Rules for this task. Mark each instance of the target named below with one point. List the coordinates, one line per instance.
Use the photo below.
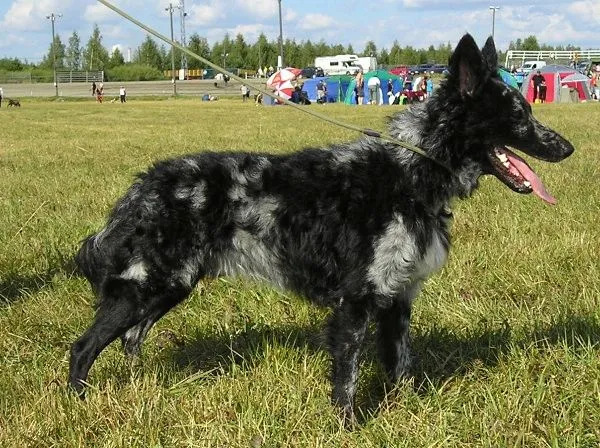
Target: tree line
(237, 53)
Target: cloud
(586, 11)
(259, 8)
(30, 15)
(205, 14)
(316, 21)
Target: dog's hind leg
(347, 329)
(119, 309)
(122, 308)
(393, 338)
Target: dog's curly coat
(357, 227)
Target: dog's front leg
(393, 338)
(346, 334)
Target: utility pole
(170, 9)
(494, 9)
(52, 18)
(182, 16)
(280, 39)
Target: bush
(133, 72)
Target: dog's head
(488, 117)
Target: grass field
(506, 336)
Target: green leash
(369, 132)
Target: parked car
(400, 70)
(312, 72)
(423, 68)
(439, 68)
(528, 66)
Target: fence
(69, 76)
(16, 78)
(547, 55)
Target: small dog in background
(13, 103)
(357, 227)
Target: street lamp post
(494, 9)
(224, 56)
(53, 18)
(280, 39)
(170, 9)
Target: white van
(343, 64)
(529, 66)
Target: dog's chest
(399, 261)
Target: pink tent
(553, 74)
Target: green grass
(506, 336)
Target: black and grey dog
(356, 227)
(14, 103)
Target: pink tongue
(528, 174)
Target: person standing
(244, 90)
(123, 94)
(429, 87)
(99, 93)
(360, 87)
(537, 80)
(596, 82)
(1, 95)
(93, 88)
(390, 91)
(374, 85)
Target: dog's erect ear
(467, 67)
(489, 54)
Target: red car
(400, 70)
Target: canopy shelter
(580, 83)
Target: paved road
(137, 88)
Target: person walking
(244, 90)
(1, 95)
(93, 88)
(123, 94)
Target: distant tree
(73, 55)
(293, 54)
(11, 65)
(238, 52)
(395, 53)
(148, 53)
(116, 58)
(263, 53)
(95, 56)
(323, 49)
(349, 49)
(530, 43)
(338, 49)
(59, 48)
(198, 45)
(370, 49)
(308, 53)
(384, 57)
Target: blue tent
(336, 87)
(383, 77)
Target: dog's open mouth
(517, 174)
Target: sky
(26, 33)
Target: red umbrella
(284, 89)
(283, 75)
